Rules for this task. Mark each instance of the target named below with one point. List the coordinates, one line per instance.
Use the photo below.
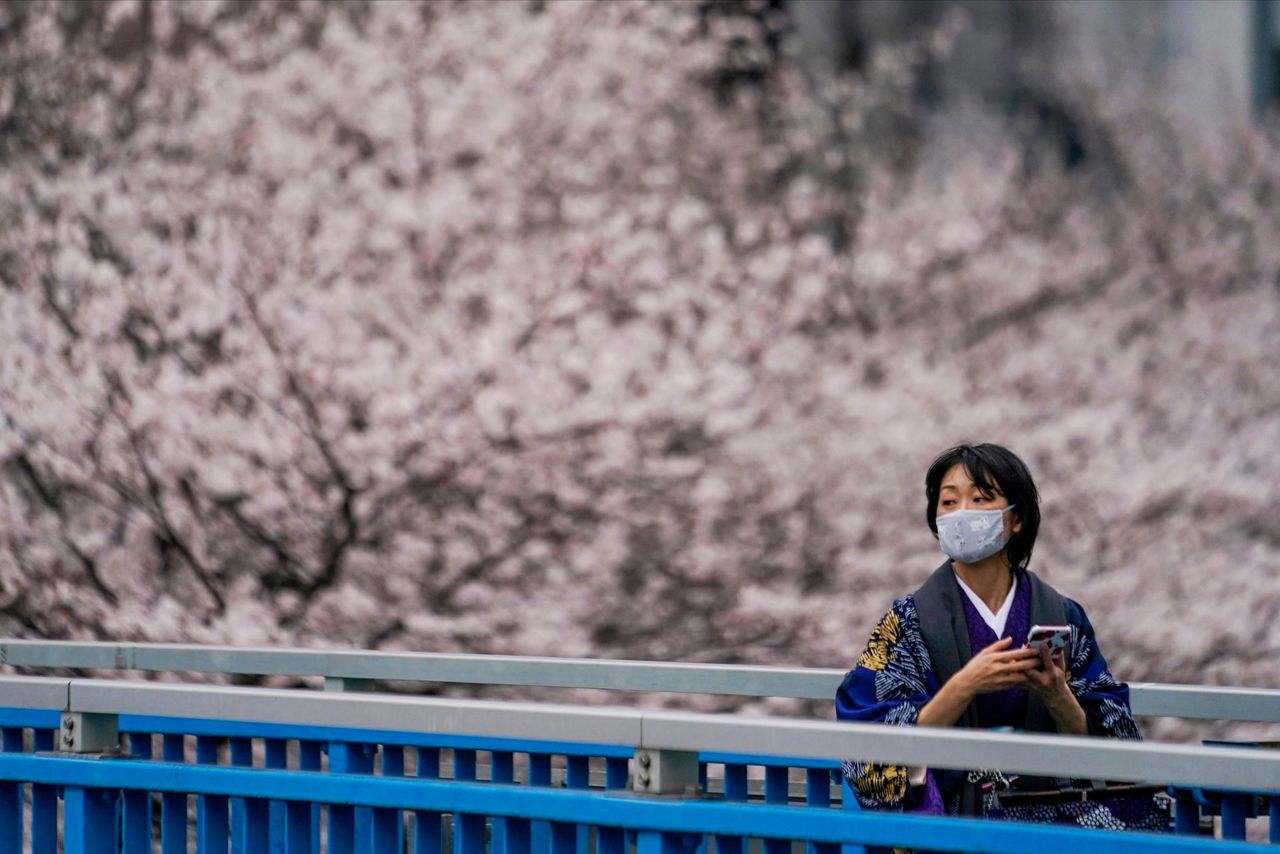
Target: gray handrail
(655, 730)
(1152, 699)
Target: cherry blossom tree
(602, 329)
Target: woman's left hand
(1049, 683)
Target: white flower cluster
(484, 327)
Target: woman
(954, 653)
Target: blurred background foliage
(624, 330)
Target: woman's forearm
(1068, 715)
(946, 707)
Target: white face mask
(971, 535)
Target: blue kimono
(925, 639)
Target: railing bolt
(86, 732)
(665, 772)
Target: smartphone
(1055, 637)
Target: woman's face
(959, 492)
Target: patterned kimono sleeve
(890, 684)
(1104, 700)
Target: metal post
(84, 732)
(388, 824)
(249, 817)
(539, 774)
(468, 828)
(89, 821)
(1274, 812)
(11, 797)
(136, 818)
(578, 776)
(298, 838)
(173, 805)
(309, 760)
(348, 824)
(212, 828)
(1235, 808)
(44, 802)
(276, 756)
(666, 772)
(428, 827)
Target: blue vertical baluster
(1274, 812)
(137, 805)
(11, 797)
(564, 838)
(775, 792)
(240, 750)
(89, 821)
(540, 775)
(309, 760)
(250, 818)
(502, 770)
(849, 802)
(299, 828)
(656, 842)
(578, 776)
(173, 805)
(817, 793)
(1235, 807)
(44, 802)
(698, 843)
(735, 790)
(275, 755)
(468, 829)
(427, 830)
(817, 787)
(301, 819)
(613, 840)
(349, 825)
(616, 773)
(388, 825)
(516, 836)
(211, 810)
(1186, 816)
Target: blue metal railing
(293, 771)
(362, 754)
(108, 805)
(658, 826)
(246, 820)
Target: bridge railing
(351, 668)
(739, 759)
(288, 769)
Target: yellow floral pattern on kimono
(883, 782)
(883, 639)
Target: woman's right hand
(995, 668)
(992, 669)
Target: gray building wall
(1215, 60)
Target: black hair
(994, 469)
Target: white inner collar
(997, 620)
